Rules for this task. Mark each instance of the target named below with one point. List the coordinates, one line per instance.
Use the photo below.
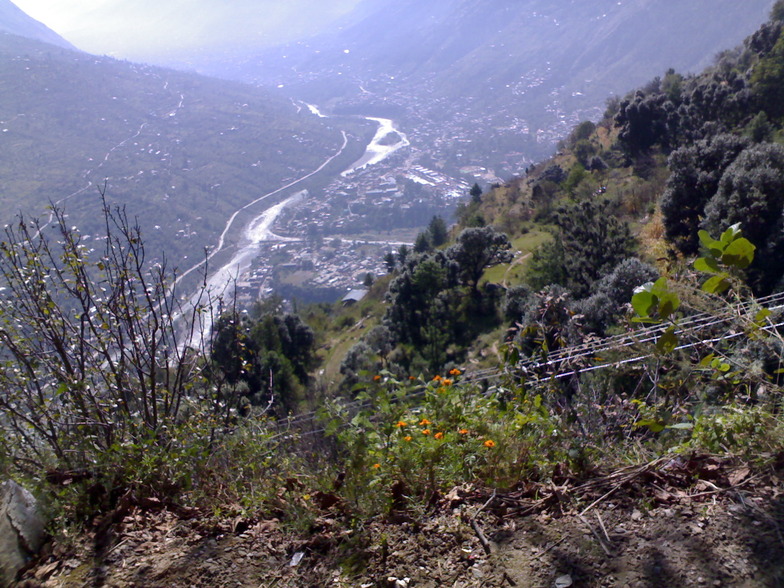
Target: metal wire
(688, 327)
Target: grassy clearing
(512, 273)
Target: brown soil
(675, 522)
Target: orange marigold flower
(441, 390)
(437, 379)
(455, 372)
(426, 431)
(407, 438)
(463, 431)
(412, 378)
(489, 443)
(425, 422)
(376, 466)
(446, 382)
(439, 435)
(376, 378)
(401, 424)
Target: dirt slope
(676, 522)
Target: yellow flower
(489, 443)
(376, 466)
(401, 424)
(439, 435)
(425, 422)
(426, 431)
(407, 438)
(441, 390)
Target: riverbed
(221, 282)
(260, 229)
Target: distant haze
(154, 29)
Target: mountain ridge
(72, 121)
(529, 65)
(15, 21)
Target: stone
(22, 532)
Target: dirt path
(515, 263)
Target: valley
(386, 310)
(481, 105)
(328, 239)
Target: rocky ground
(685, 521)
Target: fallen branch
(553, 546)
(482, 539)
(595, 534)
(604, 529)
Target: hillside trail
(695, 521)
(518, 261)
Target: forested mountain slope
(604, 411)
(526, 68)
(182, 151)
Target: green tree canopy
(438, 231)
(475, 250)
(751, 192)
(695, 172)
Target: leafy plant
(98, 373)
(412, 441)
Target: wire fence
(556, 365)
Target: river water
(379, 147)
(221, 282)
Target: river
(220, 282)
(378, 149)
(258, 231)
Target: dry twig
(595, 534)
(482, 539)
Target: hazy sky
(139, 29)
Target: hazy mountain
(165, 31)
(590, 43)
(15, 21)
(183, 152)
(532, 67)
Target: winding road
(230, 222)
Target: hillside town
(334, 240)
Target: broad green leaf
(707, 265)
(646, 287)
(668, 341)
(646, 320)
(681, 426)
(706, 361)
(762, 316)
(644, 302)
(739, 253)
(654, 426)
(668, 304)
(715, 247)
(717, 284)
(660, 285)
(731, 234)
